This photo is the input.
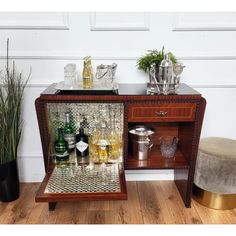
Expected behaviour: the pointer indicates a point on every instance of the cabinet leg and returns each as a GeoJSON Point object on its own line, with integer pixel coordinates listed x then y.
{"type": "Point", "coordinates": [52, 206]}
{"type": "Point", "coordinates": [183, 184]}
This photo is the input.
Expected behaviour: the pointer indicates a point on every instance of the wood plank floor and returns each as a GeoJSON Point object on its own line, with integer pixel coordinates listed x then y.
{"type": "Point", "coordinates": [152, 202]}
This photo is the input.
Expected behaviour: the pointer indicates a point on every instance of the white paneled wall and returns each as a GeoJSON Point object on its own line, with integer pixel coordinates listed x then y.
{"type": "Point", "coordinates": [45, 42]}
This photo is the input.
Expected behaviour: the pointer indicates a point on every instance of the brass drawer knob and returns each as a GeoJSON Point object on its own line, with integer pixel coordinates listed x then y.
{"type": "Point", "coordinates": [161, 113]}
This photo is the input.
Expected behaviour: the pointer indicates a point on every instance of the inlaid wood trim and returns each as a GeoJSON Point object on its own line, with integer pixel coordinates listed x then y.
{"type": "Point", "coordinates": [152, 112]}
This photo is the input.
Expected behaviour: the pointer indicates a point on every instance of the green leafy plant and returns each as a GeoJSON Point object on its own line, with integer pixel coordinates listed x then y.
{"type": "Point", "coordinates": [11, 93]}
{"type": "Point", "coordinates": [153, 56]}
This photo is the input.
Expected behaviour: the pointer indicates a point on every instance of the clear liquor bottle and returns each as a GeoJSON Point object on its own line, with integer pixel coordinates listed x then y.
{"type": "Point", "coordinates": [115, 142]}
{"type": "Point", "coordinates": [93, 138]}
{"type": "Point", "coordinates": [103, 144]}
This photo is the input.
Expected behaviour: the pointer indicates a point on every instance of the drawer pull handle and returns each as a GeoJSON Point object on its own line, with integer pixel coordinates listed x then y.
{"type": "Point", "coordinates": [161, 113]}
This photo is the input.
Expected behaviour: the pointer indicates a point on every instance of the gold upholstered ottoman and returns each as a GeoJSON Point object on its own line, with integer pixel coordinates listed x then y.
{"type": "Point", "coordinates": [215, 173]}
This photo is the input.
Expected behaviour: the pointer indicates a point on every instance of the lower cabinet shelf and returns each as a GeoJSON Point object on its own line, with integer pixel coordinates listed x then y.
{"type": "Point", "coordinates": [80, 182]}
{"type": "Point", "coordinates": [157, 161]}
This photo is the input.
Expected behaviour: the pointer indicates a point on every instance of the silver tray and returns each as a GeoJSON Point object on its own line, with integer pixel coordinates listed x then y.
{"type": "Point", "coordinates": [79, 86]}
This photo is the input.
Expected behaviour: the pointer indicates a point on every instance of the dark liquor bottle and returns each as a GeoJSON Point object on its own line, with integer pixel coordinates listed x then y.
{"type": "Point", "coordinates": [82, 149]}
{"type": "Point", "coordinates": [69, 134]}
{"type": "Point", "coordinates": [61, 147]}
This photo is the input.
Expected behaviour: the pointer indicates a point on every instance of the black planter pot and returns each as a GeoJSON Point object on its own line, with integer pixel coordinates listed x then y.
{"type": "Point", "coordinates": [9, 182]}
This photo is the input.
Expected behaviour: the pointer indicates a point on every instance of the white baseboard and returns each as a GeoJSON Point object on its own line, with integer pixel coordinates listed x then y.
{"type": "Point", "coordinates": [149, 175]}
{"type": "Point", "coordinates": [31, 169]}
{"type": "Point", "coordinates": [38, 177]}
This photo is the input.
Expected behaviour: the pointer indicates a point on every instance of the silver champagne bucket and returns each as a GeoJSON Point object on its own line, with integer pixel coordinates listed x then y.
{"type": "Point", "coordinates": [141, 139]}
{"type": "Point", "coordinates": [105, 74]}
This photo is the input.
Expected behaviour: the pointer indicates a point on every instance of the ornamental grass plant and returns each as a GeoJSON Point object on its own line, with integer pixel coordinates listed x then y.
{"type": "Point", "coordinates": [12, 86]}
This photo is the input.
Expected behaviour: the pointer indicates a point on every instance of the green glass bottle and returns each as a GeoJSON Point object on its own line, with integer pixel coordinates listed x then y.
{"type": "Point", "coordinates": [61, 147]}
{"type": "Point", "coordinates": [69, 134]}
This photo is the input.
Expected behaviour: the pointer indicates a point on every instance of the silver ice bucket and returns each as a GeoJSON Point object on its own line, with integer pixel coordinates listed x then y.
{"type": "Point", "coordinates": [141, 139]}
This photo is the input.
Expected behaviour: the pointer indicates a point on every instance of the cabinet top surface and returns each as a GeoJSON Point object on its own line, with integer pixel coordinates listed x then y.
{"type": "Point", "coordinates": [140, 89]}
{"type": "Point", "coordinates": [124, 90]}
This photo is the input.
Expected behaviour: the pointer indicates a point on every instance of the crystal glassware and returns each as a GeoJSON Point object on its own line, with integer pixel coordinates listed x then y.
{"type": "Point", "coordinates": [105, 74]}
{"type": "Point", "coordinates": [168, 146]}
{"type": "Point", "coordinates": [177, 71]}
{"type": "Point", "coordinates": [70, 75]}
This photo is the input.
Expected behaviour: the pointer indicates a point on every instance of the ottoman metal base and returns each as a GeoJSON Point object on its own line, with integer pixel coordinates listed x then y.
{"type": "Point", "coordinates": [214, 200]}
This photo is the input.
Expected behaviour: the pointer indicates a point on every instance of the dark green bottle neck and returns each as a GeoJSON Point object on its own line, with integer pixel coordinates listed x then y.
{"type": "Point", "coordinates": [60, 134]}
{"type": "Point", "coordinates": [81, 131]}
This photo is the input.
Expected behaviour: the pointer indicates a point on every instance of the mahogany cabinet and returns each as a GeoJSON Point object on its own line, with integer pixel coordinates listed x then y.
{"type": "Point", "coordinates": [179, 115]}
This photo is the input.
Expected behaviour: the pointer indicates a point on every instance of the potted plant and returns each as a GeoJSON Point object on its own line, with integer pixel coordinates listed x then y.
{"type": "Point", "coordinates": [153, 56]}
{"type": "Point", "coordinates": [12, 86]}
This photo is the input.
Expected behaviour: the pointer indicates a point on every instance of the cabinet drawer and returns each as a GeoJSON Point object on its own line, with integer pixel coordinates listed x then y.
{"type": "Point", "coordinates": [161, 112]}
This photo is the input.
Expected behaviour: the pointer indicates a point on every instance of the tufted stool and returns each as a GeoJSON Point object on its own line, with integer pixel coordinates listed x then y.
{"type": "Point", "coordinates": [215, 173]}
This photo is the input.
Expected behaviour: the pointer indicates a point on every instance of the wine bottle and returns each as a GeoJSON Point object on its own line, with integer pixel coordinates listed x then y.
{"type": "Point", "coordinates": [87, 73]}
{"type": "Point", "coordinates": [69, 134]}
{"type": "Point", "coordinates": [61, 147]}
{"type": "Point", "coordinates": [82, 147]}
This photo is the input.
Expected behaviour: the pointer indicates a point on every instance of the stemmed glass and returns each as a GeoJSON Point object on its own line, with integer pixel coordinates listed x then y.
{"type": "Point", "coordinates": [177, 70]}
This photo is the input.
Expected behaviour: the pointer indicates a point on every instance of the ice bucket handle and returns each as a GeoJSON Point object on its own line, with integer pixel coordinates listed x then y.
{"type": "Point", "coordinates": [149, 142]}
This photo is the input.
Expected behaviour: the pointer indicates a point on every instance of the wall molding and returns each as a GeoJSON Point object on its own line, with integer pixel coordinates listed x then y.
{"type": "Point", "coordinates": [40, 56]}
{"type": "Point", "coordinates": [59, 23]}
{"type": "Point", "coordinates": [95, 25]}
{"type": "Point", "coordinates": [188, 24]}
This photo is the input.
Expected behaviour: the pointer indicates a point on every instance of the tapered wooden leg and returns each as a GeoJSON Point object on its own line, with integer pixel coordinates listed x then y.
{"type": "Point", "coordinates": [52, 206]}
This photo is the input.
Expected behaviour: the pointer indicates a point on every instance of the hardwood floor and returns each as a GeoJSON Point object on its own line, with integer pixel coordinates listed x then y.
{"type": "Point", "coordinates": [155, 202]}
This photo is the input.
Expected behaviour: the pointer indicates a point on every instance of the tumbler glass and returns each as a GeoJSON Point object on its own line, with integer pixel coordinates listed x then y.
{"type": "Point", "coordinates": [168, 146]}
{"type": "Point", "coordinates": [70, 75]}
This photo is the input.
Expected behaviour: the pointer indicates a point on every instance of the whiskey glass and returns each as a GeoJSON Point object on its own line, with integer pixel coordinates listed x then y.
{"type": "Point", "coordinates": [70, 75]}
{"type": "Point", "coordinates": [168, 146]}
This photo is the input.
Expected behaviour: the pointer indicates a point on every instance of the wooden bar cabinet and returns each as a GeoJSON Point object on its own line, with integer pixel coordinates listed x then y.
{"type": "Point", "coordinates": [179, 115]}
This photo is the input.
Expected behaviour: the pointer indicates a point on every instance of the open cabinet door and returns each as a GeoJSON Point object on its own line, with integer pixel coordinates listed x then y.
{"type": "Point", "coordinates": [80, 182]}
{"type": "Point", "coordinates": [72, 180]}
{"type": "Point", "coordinates": [77, 183]}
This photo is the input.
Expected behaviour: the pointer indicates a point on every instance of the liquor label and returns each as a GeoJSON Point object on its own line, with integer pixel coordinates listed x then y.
{"type": "Point", "coordinates": [65, 154]}
{"type": "Point", "coordinates": [81, 146]}
{"type": "Point", "coordinates": [103, 145]}
{"type": "Point", "coordinates": [70, 138]}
